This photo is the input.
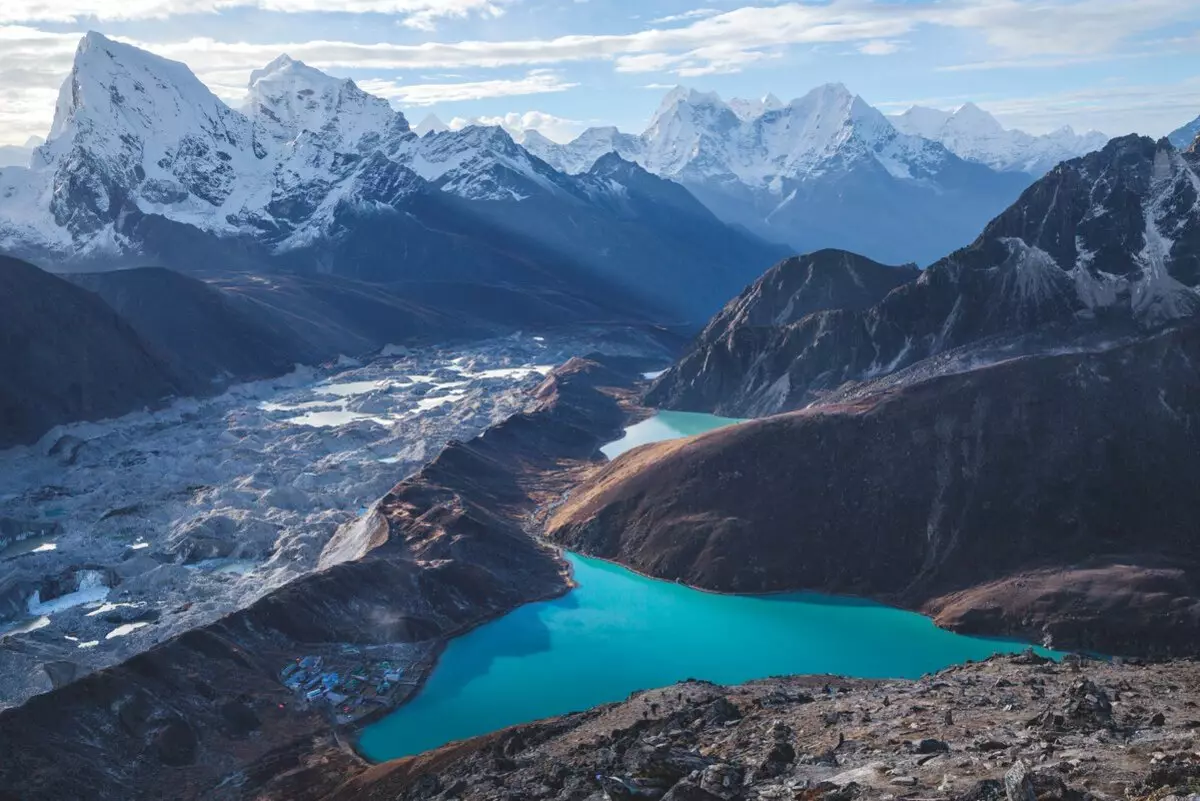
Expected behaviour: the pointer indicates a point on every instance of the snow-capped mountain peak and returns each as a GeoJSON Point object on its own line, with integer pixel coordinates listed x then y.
{"type": "Point", "coordinates": [974, 134]}
{"type": "Point", "coordinates": [117, 88]}
{"type": "Point", "coordinates": [1186, 135]}
{"type": "Point", "coordinates": [969, 116]}
{"type": "Point", "coordinates": [753, 109]}
{"type": "Point", "coordinates": [287, 98]}
{"type": "Point", "coordinates": [133, 126]}
{"type": "Point", "coordinates": [431, 124]}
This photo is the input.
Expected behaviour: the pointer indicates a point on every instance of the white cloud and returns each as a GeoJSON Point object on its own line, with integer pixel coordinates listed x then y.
{"type": "Point", "coordinates": [879, 47]}
{"type": "Point", "coordinates": [516, 123]}
{"type": "Point", "coordinates": [421, 14]}
{"type": "Point", "coordinates": [696, 13]}
{"type": "Point", "coordinates": [1013, 33]}
{"type": "Point", "coordinates": [1062, 27]}
{"type": "Point", "coordinates": [720, 43]}
{"type": "Point", "coordinates": [429, 94]}
{"type": "Point", "coordinates": [32, 66]}
{"type": "Point", "coordinates": [1116, 109]}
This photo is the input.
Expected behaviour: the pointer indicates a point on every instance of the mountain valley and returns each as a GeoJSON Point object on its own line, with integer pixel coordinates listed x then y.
{"type": "Point", "coordinates": [307, 414]}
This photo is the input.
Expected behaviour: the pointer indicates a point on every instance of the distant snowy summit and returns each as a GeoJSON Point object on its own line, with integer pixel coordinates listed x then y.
{"type": "Point", "coordinates": [1185, 136]}
{"type": "Point", "coordinates": [761, 136]}
{"type": "Point", "coordinates": [824, 170]}
{"type": "Point", "coordinates": [431, 124]}
{"type": "Point", "coordinates": [975, 135]}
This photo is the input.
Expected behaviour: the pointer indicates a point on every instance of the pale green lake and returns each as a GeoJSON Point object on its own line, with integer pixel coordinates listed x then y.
{"type": "Point", "coordinates": [663, 426]}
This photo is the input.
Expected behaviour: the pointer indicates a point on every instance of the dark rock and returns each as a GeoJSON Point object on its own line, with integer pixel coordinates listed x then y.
{"type": "Point", "coordinates": [986, 790]}
{"type": "Point", "coordinates": [721, 711]}
{"type": "Point", "coordinates": [240, 720]}
{"type": "Point", "coordinates": [931, 746]}
{"type": "Point", "coordinates": [666, 764]}
{"type": "Point", "coordinates": [206, 336]}
{"type": "Point", "coordinates": [61, 673]}
{"type": "Point", "coordinates": [689, 791]}
{"type": "Point", "coordinates": [708, 376]}
{"type": "Point", "coordinates": [723, 781]}
{"type": "Point", "coordinates": [1017, 784]}
{"type": "Point", "coordinates": [991, 745]}
{"type": "Point", "coordinates": [176, 743]}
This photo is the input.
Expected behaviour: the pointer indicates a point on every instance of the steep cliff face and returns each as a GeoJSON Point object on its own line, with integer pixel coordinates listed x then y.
{"type": "Point", "coordinates": [65, 355]}
{"type": "Point", "coordinates": [1083, 464]}
{"type": "Point", "coordinates": [1102, 247]}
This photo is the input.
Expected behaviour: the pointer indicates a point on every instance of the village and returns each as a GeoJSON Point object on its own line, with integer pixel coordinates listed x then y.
{"type": "Point", "coordinates": [350, 693]}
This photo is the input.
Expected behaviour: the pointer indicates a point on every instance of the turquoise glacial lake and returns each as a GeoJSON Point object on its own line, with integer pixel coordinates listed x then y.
{"type": "Point", "coordinates": [663, 426]}
{"type": "Point", "coordinates": [618, 632]}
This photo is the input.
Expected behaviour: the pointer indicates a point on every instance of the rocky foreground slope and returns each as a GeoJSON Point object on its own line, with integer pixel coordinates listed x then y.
{"type": "Point", "coordinates": [1050, 497]}
{"type": "Point", "coordinates": [1010, 729]}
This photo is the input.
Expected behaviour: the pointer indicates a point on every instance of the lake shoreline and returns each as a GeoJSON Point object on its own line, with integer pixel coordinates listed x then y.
{"type": "Point", "coordinates": [491, 681]}
{"type": "Point", "coordinates": [635, 416]}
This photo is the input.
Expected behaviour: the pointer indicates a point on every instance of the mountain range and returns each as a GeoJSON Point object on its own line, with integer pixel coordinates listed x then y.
{"type": "Point", "coordinates": [1104, 247]}
{"type": "Point", "coordinates": [975, 135]}
{"type": "Point", "coordinates": [829, 170]}
{"type": "Point", "coordinates": [313, 175]}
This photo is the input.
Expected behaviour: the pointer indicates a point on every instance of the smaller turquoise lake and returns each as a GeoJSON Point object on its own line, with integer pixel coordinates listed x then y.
{"type": "Point", "coordinates": [619, 632]}
{"type": "Point", "coordinates": [663, 426]}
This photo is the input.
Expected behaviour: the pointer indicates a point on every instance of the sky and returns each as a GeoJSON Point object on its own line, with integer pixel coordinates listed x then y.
{"type": "Point", "coordinates": [559, 66]}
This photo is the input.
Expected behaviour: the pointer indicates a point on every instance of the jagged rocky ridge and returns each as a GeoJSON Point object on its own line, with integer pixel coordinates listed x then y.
{"type": "Point", "coordinates": [144, 163]}
{"type": "Point", "coordinates": [825, 170]}
{"type": "Point", "coordinates": [1103, 247]}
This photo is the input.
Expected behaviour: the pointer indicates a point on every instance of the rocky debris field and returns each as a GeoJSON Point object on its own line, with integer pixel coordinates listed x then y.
{"type": "Point", "coordinates": [1015, 728]}
{"type": "Point", "coordinates": [118, 535]}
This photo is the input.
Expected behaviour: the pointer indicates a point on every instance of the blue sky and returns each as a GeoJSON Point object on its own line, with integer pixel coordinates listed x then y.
{"type": "Point", "coordinates": [561, 65]}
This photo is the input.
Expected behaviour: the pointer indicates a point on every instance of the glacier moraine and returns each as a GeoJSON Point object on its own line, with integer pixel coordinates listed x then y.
{"type": "Point", "coordinates": [117, 535]}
